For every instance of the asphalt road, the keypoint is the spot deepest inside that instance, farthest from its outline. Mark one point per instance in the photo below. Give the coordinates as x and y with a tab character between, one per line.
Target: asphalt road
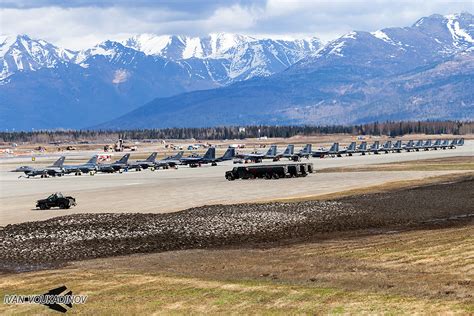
172	190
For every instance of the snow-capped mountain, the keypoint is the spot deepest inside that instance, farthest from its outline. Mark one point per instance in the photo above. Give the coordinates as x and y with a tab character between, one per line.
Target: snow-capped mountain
183	47
21	53
429	39
111	79
224	57
416	72
424	71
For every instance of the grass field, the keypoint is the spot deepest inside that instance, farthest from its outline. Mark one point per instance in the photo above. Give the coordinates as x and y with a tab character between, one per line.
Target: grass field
424	271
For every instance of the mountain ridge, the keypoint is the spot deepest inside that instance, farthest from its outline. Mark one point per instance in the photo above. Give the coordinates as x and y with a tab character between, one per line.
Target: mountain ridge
122	78
420	72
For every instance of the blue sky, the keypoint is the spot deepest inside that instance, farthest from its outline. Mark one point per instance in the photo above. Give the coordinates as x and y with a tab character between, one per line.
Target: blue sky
83	23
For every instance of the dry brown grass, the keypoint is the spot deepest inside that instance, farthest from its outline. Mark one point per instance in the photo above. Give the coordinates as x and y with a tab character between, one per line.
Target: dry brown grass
425	271
437	164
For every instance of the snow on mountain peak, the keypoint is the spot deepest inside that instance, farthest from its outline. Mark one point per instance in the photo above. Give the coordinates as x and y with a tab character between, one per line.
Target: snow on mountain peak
20	53
150	44
458	34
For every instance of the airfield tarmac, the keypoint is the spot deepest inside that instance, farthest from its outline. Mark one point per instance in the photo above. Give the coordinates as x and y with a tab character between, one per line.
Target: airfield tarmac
172	190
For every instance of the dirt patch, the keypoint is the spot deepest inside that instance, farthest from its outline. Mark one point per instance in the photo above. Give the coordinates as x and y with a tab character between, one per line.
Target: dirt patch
43	244
436	164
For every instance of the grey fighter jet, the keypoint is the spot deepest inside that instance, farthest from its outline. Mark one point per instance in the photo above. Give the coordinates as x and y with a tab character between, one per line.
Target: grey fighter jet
56	169
119	165
171	161
387	147
333	151
144	164
258	157
89	167
209	157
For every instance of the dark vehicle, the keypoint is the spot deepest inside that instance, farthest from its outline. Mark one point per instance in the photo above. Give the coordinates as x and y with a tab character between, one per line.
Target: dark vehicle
56	200
270	171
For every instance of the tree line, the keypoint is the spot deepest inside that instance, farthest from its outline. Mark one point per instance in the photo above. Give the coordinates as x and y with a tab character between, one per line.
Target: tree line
235	132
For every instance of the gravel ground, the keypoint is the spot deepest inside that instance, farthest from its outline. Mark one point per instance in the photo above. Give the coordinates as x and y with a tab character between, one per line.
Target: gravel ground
36	245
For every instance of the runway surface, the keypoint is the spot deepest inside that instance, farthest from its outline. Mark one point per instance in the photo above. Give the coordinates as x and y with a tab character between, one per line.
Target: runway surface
172	190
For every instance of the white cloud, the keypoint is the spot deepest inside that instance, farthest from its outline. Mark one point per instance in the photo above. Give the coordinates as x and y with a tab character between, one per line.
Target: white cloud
79	27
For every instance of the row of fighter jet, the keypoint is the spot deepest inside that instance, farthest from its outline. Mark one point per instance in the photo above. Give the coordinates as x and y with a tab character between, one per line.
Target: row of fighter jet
336	151
92	166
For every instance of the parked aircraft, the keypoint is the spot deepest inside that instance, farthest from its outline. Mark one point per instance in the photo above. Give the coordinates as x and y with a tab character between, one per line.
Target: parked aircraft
119	165
144	164
460	142
171	161
445	144
305	152
397	147
351	149
427	145
56	169
437	144
333	151
374	148
89	167
409	146
418	145
209	157
288	153
387	147
258	157
362	149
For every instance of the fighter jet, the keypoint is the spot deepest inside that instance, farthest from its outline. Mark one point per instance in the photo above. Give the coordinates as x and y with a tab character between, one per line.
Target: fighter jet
374	148
144	164
333	151
409	146
89	167
453	144
387	147
397	147
445	144
437	144
119	165
418	145
258	157
460	142
209	157
288	153
362	149
56	169
305	152
171	161
427	145
351	149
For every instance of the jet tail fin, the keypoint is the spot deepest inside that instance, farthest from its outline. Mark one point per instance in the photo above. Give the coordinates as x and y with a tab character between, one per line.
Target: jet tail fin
352	146
124	159
229	153
59	162
272	151
210	153
334	147
289	150
307	149
152	157
93	160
